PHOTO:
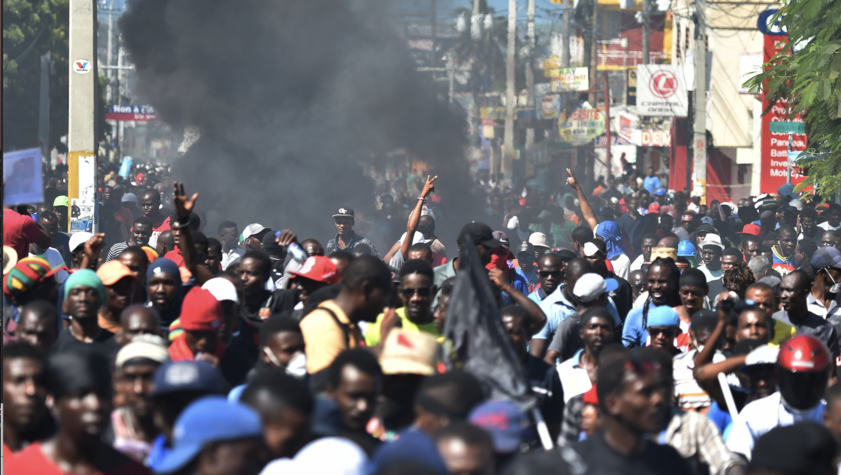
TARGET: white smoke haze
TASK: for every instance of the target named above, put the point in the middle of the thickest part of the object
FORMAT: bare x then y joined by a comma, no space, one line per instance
289,97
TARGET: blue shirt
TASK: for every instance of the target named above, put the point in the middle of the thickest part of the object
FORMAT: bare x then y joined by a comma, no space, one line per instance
531,279
557,308
651,183
634,333
537,296
158,452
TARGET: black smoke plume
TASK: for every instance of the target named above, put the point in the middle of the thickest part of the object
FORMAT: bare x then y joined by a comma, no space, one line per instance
290,96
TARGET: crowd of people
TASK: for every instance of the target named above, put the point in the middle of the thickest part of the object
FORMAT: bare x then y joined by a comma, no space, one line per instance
652,334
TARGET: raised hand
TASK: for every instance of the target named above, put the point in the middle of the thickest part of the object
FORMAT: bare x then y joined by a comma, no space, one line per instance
286,238
429,186
183,206
571,181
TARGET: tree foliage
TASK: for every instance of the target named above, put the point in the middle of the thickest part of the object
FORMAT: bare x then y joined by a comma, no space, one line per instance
808,74
30,29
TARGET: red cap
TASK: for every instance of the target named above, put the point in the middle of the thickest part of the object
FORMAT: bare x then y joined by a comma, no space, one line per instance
750,229
319,269
200,311
654,208
803,353
590,397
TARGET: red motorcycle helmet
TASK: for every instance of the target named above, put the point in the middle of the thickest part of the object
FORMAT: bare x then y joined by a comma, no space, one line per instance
802,372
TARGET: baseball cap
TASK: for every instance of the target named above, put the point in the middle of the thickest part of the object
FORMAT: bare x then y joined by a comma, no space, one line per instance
149,347
707,220
590,286
711,239
343,213
129,197
61,201
660,191
591,249
221,289
319,269
200,311
252,230
112,271
187,376
407,352
750,229
209,419
504,421
663,316
10,258
826,257
705,228
502,238
526,247
538,240
654,208
79,238
480,233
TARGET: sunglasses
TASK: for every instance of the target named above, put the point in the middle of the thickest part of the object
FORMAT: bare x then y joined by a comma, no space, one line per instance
422,292
556,274
669,332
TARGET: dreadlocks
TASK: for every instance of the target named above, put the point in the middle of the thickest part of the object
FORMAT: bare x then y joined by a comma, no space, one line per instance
672,297
738,279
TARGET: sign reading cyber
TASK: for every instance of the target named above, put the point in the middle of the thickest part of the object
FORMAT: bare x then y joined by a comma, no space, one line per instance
661,90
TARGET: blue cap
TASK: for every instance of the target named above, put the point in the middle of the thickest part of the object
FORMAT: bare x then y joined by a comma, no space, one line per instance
663,316
412,445
188,376
504,421
209,419
826,257
686,249
660,191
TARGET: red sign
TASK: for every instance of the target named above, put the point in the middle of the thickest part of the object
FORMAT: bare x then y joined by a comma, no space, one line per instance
775,145
663,84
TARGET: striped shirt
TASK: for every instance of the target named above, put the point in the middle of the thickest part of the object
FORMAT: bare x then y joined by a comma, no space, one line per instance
698,441
116,250
688,394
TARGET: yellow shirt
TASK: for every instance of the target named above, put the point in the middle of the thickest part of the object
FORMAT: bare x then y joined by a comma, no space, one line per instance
782,332
324,339
373,335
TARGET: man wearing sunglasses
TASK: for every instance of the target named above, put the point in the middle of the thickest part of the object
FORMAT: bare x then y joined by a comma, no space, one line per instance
663,328
551,275
825,296
794,291
416,289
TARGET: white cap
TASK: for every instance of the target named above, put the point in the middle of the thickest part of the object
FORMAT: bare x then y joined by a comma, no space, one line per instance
79,238
151,347
427,212
251,230
591,249
418,237
222,289
796,203
711,240
590,286
538,239
765,354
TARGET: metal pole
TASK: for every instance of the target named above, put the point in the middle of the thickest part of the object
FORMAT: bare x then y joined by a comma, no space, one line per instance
530,73
700,120
594,49
646,33
109,54
81,146
510,98
567,33
474,81
433,25
607,120
44,107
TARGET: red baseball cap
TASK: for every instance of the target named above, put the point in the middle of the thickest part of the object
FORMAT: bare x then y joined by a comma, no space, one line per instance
200,311
654,208
750,229
319,269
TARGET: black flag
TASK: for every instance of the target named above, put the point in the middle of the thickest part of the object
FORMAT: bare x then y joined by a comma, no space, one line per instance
476,341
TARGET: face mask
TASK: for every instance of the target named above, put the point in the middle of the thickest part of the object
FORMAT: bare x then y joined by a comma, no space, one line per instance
297,367
836,286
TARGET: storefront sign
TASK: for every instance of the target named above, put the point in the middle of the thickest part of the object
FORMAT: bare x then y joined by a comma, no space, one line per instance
661,90
131,114
570,79
582,126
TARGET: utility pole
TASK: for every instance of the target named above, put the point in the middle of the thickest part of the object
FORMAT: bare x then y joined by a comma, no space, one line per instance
646,33
510,98
477,118
594,49
109,54
700,119
81,157
532,44
567,34
44,107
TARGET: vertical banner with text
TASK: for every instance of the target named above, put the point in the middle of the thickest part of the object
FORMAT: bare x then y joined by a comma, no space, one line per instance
775,144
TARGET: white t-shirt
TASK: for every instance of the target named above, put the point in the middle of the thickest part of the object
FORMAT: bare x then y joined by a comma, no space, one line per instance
637,264
621,266
54,258
760,416
826,226
574,378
